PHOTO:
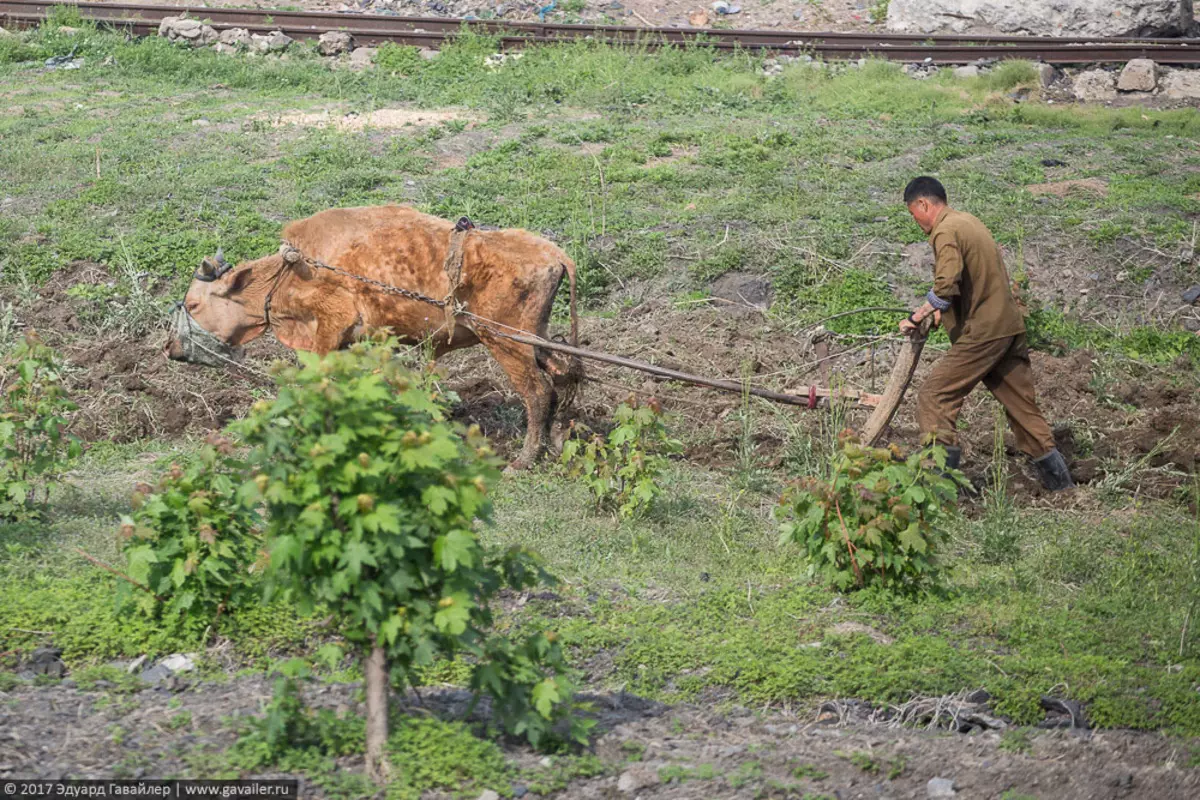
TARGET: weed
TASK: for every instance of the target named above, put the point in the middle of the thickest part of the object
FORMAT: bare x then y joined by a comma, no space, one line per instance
809,772
179,721
1016,740
877,521
861,759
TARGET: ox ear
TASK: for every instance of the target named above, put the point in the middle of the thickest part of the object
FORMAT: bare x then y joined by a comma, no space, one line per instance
237,282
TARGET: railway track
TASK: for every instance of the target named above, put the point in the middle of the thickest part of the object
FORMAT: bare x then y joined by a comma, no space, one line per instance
368,29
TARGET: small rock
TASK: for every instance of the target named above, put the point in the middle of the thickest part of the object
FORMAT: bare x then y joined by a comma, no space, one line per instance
334,43
979,696
1053,162
488,794
1182,85
547,762
1048,75
5,33
615,6
969,71
1095,85
1139,75
940,788
235,37
1192,295
637,778
519,791
698,19
136,664
273,42
178,662
852,628
798,14
362,57
155,675
726,9
47,661
428,53
67,30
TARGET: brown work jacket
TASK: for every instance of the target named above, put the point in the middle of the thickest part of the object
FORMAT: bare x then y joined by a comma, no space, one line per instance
969,273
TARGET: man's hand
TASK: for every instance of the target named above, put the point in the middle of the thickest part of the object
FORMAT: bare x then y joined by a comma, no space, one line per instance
909,326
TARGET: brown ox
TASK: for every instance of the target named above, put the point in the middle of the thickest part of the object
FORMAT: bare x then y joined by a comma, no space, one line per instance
507,276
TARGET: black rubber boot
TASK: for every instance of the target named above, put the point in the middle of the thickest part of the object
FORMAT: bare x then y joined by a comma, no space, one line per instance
1052,469
953,457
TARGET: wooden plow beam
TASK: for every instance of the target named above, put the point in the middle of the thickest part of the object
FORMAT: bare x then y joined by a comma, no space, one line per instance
885,405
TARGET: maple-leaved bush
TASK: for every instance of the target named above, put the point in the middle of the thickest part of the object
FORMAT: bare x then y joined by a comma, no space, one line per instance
623,470
372,498
878,520
191,545
35,447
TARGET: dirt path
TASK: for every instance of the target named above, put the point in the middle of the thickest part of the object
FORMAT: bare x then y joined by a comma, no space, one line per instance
651,751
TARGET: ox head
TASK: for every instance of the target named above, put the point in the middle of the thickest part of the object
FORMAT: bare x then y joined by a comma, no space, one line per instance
221,311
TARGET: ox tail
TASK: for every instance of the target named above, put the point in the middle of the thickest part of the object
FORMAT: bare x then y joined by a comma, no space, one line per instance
569,267
566,372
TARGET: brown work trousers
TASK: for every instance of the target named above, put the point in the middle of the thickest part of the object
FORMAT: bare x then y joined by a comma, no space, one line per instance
1003,366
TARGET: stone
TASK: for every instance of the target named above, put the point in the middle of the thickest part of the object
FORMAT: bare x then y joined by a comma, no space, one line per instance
362,57
1192,295
428,53
726,9
156,674
637,778
67,30
188,31
1038,17
178,662
798,14
234,37
136,664
273,42
1048,75
334,43
969,71
1182,85
488,794
1094,86
938,788
46,661
698,18
1139,75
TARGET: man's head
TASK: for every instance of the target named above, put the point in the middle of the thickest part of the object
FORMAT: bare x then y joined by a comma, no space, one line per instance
925,198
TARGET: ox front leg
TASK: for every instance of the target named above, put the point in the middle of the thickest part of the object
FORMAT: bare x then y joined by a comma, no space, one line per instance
536,391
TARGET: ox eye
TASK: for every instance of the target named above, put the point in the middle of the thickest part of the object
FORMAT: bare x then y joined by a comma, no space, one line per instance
192,305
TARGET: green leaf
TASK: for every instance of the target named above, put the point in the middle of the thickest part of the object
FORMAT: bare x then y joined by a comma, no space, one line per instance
455,549
545,696
356,554
911,538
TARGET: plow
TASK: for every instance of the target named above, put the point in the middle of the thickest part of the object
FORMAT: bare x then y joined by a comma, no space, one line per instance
883,406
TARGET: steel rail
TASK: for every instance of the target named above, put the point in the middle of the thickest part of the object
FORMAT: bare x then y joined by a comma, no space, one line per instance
370,29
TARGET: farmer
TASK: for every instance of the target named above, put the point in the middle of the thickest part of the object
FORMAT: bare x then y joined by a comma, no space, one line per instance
987,334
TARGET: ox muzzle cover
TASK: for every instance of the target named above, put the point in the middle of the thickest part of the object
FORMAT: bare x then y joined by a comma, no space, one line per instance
196,345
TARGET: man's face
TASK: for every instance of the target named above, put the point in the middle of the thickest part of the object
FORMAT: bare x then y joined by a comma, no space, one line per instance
925,212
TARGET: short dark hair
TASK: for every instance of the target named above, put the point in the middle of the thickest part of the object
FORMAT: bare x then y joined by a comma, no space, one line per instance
924,186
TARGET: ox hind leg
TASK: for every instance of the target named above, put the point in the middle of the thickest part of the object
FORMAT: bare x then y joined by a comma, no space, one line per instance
534,386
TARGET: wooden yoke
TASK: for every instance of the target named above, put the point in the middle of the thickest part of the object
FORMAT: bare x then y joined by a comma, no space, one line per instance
897,385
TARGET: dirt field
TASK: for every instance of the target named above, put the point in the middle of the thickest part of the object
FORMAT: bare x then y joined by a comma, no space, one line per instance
680,752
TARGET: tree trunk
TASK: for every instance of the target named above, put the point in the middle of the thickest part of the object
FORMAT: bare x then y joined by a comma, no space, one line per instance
378,768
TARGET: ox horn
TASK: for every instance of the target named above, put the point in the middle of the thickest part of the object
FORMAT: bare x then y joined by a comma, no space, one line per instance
206,272
220,257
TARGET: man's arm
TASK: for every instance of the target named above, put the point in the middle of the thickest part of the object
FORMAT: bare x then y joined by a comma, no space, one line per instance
947,273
